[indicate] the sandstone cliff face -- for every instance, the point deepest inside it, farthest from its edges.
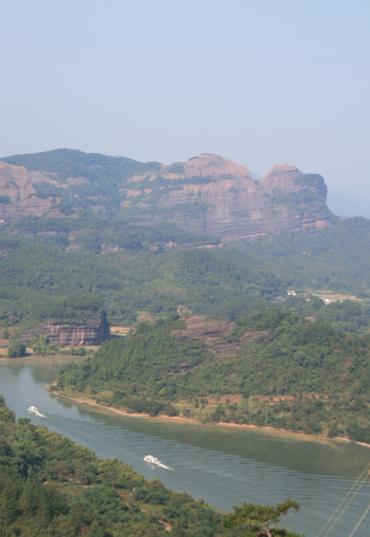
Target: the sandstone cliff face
(207, 194)
(19, 197)
(223, 199)
(91, 331)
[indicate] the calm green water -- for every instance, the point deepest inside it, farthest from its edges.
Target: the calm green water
(225, 467)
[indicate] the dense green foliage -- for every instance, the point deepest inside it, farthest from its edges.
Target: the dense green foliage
(334, 258)
(104, 175)
(296, 374)
(255, 518)
(346, 316)
(66, 163)
(50, 487)
(42, 346)
(142, 372)
(104, 232)
(42, 276)
(39, 280)
(16, 349)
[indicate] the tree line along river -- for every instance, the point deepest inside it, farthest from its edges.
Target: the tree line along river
(226, 467)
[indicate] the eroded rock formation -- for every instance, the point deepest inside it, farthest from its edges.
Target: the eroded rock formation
(207, 194)
(19, 196)
(89, 331)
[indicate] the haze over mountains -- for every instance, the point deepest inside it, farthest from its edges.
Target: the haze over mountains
(207, 195)
(347, 204)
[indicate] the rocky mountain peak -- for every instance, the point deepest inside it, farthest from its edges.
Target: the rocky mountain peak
(284, 168)
(207, 164)
(208, 194)
(281, 175)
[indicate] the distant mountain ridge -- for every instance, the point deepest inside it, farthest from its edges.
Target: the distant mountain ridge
(207, 195)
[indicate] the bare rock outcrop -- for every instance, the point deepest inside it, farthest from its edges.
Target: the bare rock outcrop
(19, 196)
(207, 195)
(89, 331)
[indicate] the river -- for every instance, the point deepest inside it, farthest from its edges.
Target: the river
(225, 467)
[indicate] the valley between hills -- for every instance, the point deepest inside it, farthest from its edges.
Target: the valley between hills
(191, 292)
(241, 300)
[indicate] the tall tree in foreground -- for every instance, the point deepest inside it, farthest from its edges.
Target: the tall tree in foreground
(260, 520)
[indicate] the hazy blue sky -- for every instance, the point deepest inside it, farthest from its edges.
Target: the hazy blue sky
(258, 81)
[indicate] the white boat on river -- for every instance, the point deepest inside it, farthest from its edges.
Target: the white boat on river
(35, 412)
(153, 460)
(222, 466)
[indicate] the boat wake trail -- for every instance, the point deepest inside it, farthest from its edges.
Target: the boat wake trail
(34, 411)
(156, 462)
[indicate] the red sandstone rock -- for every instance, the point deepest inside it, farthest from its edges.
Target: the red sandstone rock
(207, 194)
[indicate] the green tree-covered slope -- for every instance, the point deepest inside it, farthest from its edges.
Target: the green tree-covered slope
(292, 373)
(334, 258)
(40, 280)
(50, 487)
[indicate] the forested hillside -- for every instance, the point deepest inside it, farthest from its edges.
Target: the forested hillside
(42, 277)
(84, 232)
(66, 163)
(40, 280)
(273, 369)
(335, 258)
(50, 487)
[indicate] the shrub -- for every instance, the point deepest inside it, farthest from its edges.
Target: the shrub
(17, 349)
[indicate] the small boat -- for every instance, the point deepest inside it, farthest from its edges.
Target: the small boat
(153, 460)
(35, 412)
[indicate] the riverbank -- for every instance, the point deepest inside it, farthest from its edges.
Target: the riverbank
(36, 359)
(285, 433)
